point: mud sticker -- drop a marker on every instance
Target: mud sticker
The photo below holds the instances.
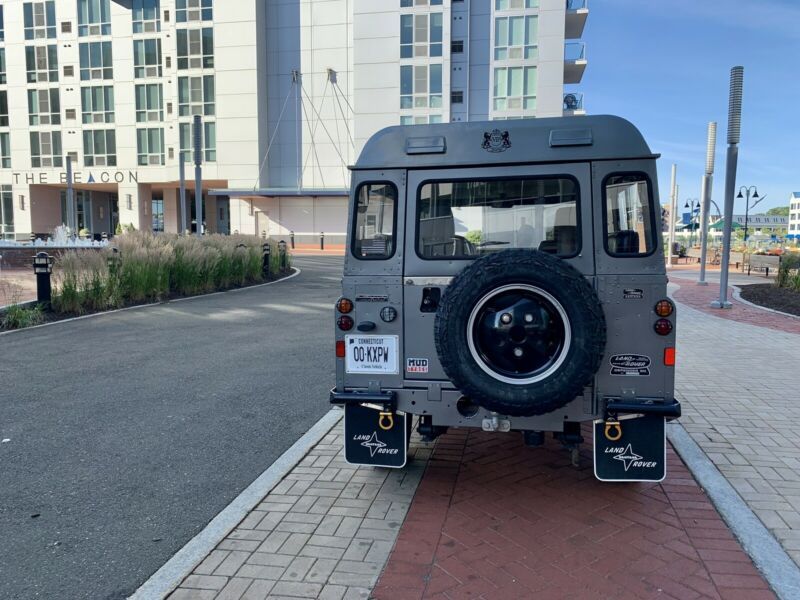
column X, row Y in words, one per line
column 632, row 294
column 416, row 365
column 630, row 365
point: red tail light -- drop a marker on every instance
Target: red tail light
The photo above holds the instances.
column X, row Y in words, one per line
column 344, row 305
column 345, row 323
column 663, row 327
column 669, row 357
column 340, row 349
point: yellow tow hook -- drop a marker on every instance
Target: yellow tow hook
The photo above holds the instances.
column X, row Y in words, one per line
column 613, row 430
column 386, row 421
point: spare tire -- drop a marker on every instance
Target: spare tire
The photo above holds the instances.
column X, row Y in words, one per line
column 520, row 332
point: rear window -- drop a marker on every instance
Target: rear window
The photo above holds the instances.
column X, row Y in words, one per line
column 468, row 218
column 629, row 216
column 376, row 208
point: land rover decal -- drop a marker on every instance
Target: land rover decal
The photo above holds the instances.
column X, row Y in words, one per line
column 630, row 365
column 496, row 141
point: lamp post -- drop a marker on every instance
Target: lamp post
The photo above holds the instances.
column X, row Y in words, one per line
column 747, row 191
column 695, row 205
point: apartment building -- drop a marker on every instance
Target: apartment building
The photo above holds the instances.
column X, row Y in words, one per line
column 794, row 216
column 288, row 92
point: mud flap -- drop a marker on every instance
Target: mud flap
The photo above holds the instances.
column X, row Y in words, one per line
column 632, row 448
column 374, row 436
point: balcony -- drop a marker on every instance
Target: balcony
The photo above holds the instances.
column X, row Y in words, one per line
column 573, row 104
column 574, row 61
column 577, row 11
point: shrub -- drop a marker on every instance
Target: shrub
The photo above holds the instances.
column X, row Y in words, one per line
column 789, row 271
column 17, row 317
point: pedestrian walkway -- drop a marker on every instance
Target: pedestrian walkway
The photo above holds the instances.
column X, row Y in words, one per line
column 737, row 380
column 17, row 286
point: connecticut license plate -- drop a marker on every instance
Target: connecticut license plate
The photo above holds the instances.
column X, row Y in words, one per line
column 371, row 354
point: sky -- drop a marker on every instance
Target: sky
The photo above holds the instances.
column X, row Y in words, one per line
column 665, row 66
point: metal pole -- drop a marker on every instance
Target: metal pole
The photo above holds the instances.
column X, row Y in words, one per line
column 70, row 198
column 746, row 214
column 708, row 180
column 182, row 172
column 734, row 133
column 672, row 211
column 198, row 173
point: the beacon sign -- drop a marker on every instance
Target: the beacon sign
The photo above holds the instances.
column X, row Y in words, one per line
column 45, row 178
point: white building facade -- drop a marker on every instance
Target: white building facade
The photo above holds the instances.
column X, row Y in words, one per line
column 794, row 216
column 288, row 92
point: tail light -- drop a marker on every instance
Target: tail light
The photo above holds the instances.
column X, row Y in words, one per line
column 663, row 327
column 669, row 357
column 344, row 323
column 664, row 308
column 344, row 305
column 340, row 349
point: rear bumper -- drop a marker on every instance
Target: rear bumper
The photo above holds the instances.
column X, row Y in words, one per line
column 386, row 398
column 669, row 409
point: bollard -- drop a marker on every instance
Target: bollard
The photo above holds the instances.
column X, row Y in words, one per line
column 113, row 262
column 104, row 236
column 32, row 237
column 291, row 238
column 43, row 268
column 265, row 248
column 282, row 252
column 263, row 234
column 767, row 270
column 322, row 240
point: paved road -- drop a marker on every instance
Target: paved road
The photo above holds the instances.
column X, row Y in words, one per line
column 129, row 432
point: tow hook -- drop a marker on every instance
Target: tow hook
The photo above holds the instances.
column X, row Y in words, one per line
column 386, row 420
column 612, row 430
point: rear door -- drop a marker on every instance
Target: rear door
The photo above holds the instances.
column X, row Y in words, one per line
column 456, row 215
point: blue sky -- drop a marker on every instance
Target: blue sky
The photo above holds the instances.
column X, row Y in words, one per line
column 665, row 66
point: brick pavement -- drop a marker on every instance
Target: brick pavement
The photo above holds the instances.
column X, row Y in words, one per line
column 494, row 519
column 737, row 380
column 325, row 532
column 17, row 285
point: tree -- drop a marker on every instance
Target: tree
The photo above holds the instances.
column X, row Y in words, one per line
column 778, row 211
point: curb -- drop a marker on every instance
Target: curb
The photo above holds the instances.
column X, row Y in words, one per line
column 170, row 575
column 165, row 302
column 780, row 571
column 737, row 295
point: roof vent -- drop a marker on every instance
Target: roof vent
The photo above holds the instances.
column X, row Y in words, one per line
column 570, row 137
column 426, row 145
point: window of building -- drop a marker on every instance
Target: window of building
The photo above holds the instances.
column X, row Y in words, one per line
column 420, row 35
column 630, row 218
column 409, row 3
column 196, row 96
column 5, row 150
column 97, row 104
column 149, row 102
column 66, row 26
column 6, row 213
column 45, row 149
column 147, row 58
column 44, row 107
column 99, row 148
column 420, row 86
column 456, row 97
column 145, row 16
column 3, row 108
column 41, row 63
column 187, row 11
column 39, row 19
column 516, row 37
column 150, row 146
column 157, row 210
column 420, row 119
column 94, row 17
column 514, row 88
column 376, row 206
column 515, row 4
column 456, row 46
column 2, row 25
column 196, row 48
column 209, row 141
column 465, row 219
column 3, row 65
column 96, row 61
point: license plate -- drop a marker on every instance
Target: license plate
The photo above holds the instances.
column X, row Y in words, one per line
column 373, row 437
column 635, row 450
column 371, row 354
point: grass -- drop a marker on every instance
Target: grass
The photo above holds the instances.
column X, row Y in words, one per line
column 16, row 316
column 148, row 268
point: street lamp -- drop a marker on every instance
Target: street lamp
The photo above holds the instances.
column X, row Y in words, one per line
column 695, row 205
column 747, row 206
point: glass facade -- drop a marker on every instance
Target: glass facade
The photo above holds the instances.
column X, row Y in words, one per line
column 46, row 149
column 44, row 107
column 96, row 61
column 94, row 17
column 6, row 213
column 146, row 16
column 150, row 146
column 97, row 104
column 99, row 148
column 39, row 19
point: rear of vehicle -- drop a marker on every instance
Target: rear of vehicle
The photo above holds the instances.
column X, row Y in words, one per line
column 508, row 280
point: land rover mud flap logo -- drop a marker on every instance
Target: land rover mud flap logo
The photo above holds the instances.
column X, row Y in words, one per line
column 373, row 444
column 367, row 442
column 496, row 140
column 416, row 365
column 630, row 365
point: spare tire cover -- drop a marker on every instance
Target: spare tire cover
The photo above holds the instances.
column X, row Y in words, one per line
column 520, row 332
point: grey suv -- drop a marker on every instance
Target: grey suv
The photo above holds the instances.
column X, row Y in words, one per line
column 507, row 276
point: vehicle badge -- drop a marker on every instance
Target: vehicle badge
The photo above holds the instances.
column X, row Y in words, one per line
column 496, row 141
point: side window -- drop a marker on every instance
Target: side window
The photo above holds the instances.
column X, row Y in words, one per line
column 374, row 234
column 629, row 217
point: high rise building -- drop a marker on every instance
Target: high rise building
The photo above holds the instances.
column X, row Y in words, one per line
column 288, row 92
